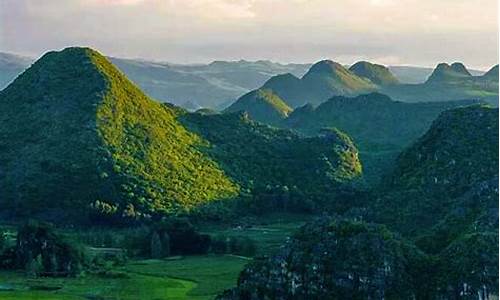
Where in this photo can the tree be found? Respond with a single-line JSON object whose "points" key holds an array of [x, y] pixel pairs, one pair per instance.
{"points": [[40, 249], [470, 266], [165, 241], [156, 247], [332, 259]]}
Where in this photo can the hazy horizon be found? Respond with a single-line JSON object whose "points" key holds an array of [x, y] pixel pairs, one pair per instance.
{"points": [[406, 32]]}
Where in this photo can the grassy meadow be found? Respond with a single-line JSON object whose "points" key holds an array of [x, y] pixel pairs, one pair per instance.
{"points": [[196, 277]]}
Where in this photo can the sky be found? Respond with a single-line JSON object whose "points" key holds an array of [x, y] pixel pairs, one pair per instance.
{"points": [[391, 32]]}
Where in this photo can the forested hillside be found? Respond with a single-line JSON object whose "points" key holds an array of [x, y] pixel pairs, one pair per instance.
{"points": [[77, 134], [442, 197]]}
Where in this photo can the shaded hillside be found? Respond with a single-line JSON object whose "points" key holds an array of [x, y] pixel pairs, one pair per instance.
{"points": [[262, 105], [333, 259], [259, 156], [443, 197], [451, 163], [379, 126], [377, 74], [74, 130], [289, 87], [373, 120]]}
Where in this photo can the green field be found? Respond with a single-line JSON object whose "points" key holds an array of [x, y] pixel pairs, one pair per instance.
{"points": [[176, 278], [197, 277], [268, 232]]}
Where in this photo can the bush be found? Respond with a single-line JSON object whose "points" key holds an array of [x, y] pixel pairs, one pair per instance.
{"points": [[183, 237], [40, 250]]}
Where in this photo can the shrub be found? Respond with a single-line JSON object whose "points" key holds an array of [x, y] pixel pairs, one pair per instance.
{"points": [[38, 244]]}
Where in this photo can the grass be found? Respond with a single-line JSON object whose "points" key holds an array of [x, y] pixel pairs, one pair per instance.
{"points": [[137, 286], [177, 278], [210, 274], [269, 233], [194, 277]]}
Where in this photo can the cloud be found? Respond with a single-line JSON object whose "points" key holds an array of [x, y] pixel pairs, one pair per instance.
{"points": [[413, 31], [113, 2]]}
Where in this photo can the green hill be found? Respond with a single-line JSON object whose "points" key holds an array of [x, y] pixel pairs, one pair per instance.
{"points": [[492, 73], [333, 259], [323, 80], [259, 156], [443, 195], [379, 126], [262, 105], [289, 88], [448, 82], [445, 72], [377, 74], [373, 120], [443, 198], [327, 78], [75, 130], [458, 155]]}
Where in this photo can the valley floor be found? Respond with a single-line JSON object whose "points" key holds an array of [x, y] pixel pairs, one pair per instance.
{"points": [[176, 278]]}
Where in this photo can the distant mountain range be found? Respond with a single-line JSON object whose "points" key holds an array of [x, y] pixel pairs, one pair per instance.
{"points": [[218, 84], [213, 85], [415, 75], [326, 79]]}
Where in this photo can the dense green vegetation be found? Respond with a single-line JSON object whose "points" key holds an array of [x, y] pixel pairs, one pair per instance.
{"points": [[147, 183], [114, 268], [333, 259], [374, 121], [443, 198], [101, 145], [262, 158], [193, 278], [458, 153], [379, 126], [79, 141], [262, 105]]}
